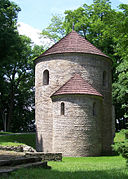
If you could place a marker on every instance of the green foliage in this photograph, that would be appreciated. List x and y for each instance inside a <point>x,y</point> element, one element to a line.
<point>107,29</point>
<point>36,51</point>
<point>74,168</point>
<point>55,31</point>
<point>17,94</point>
<point>17,88</point>
<point>8,32</point>
<point>120,85</point>
<point>119,136</point>
<point>122,147</point>
<point>16,139</point>
<point>94,23</point>
<point>16,72</point>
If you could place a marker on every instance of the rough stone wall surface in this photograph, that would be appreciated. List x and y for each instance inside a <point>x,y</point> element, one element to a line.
<point>45,156</point>
<point>19,148</point>
<point>78,131</point>
<point>61,68</point>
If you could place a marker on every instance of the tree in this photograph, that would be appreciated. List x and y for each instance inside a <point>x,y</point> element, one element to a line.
<point>120,85</point>
<point>8,31</point>
<point>107,29</point>
<point>94,23</point>
<point>55,31</point>
<point>16,71</point>
<point>13,75</point>
<point>8,40</point>
<point>18,96</point>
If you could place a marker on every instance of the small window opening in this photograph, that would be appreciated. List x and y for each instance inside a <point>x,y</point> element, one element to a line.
<point>46,77</point>
<point>62,108</point>
<point>94,109</point>
<point>104,78</point>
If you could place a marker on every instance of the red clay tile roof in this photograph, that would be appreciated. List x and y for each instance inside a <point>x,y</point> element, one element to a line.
<point>73,42</point>
<point>76,85</point>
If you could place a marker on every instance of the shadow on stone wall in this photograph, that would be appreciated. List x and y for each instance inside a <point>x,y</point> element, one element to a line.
<point>39,144</point>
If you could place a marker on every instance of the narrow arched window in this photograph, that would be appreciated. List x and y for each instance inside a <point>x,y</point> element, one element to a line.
<point>46,77</point>
<point>104,78</point>
<point>94,109</point>
<point>62,109</point>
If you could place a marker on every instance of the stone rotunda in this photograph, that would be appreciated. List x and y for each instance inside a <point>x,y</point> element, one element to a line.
<point>73,99</point>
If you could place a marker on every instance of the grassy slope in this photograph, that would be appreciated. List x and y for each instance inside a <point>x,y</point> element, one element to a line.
<point>28,139</point>
<point>4,133</point>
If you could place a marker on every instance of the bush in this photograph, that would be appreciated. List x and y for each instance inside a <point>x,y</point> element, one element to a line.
<point>126,134</point>
<point>122,147</point>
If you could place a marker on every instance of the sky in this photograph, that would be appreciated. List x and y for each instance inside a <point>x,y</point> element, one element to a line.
<point>36,15</point>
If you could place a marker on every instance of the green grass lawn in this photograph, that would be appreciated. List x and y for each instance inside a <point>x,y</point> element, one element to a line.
<point>10,143</point>
<point>28,139</point>
<point>109,167</point>
<point>78,168</point>
<point>5,133</point>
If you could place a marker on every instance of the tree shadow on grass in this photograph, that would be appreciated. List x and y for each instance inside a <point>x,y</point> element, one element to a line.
<point>40,173</point>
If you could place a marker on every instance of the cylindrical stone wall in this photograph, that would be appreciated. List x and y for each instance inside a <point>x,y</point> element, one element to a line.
<point>78,131</point>
<point>61,68</point>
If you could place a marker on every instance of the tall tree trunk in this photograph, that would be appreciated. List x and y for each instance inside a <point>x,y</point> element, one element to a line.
<point>10,110</point>
<point>11,100</point>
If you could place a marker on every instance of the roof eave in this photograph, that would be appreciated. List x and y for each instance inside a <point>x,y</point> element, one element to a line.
<point>55,95</point>
<point>55,53</point>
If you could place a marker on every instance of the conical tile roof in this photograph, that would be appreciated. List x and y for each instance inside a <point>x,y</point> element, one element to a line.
<point>73,42</point>
<point>76,85</point>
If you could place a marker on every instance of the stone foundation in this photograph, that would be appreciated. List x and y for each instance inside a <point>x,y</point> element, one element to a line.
<point>45,156</point>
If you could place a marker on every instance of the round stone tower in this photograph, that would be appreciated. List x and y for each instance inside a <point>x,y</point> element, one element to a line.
<point>73,99</point>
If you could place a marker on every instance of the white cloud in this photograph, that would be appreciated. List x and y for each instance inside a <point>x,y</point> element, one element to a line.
<point>34,34</point>
<point>124,1</point>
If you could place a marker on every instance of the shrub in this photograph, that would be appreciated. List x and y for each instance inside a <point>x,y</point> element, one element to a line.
<point>126,134</point>
<point>122,147</point>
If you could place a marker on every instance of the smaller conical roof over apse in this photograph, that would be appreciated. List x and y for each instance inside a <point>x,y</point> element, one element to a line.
<point>77,85</point>
<point>72,43</point>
